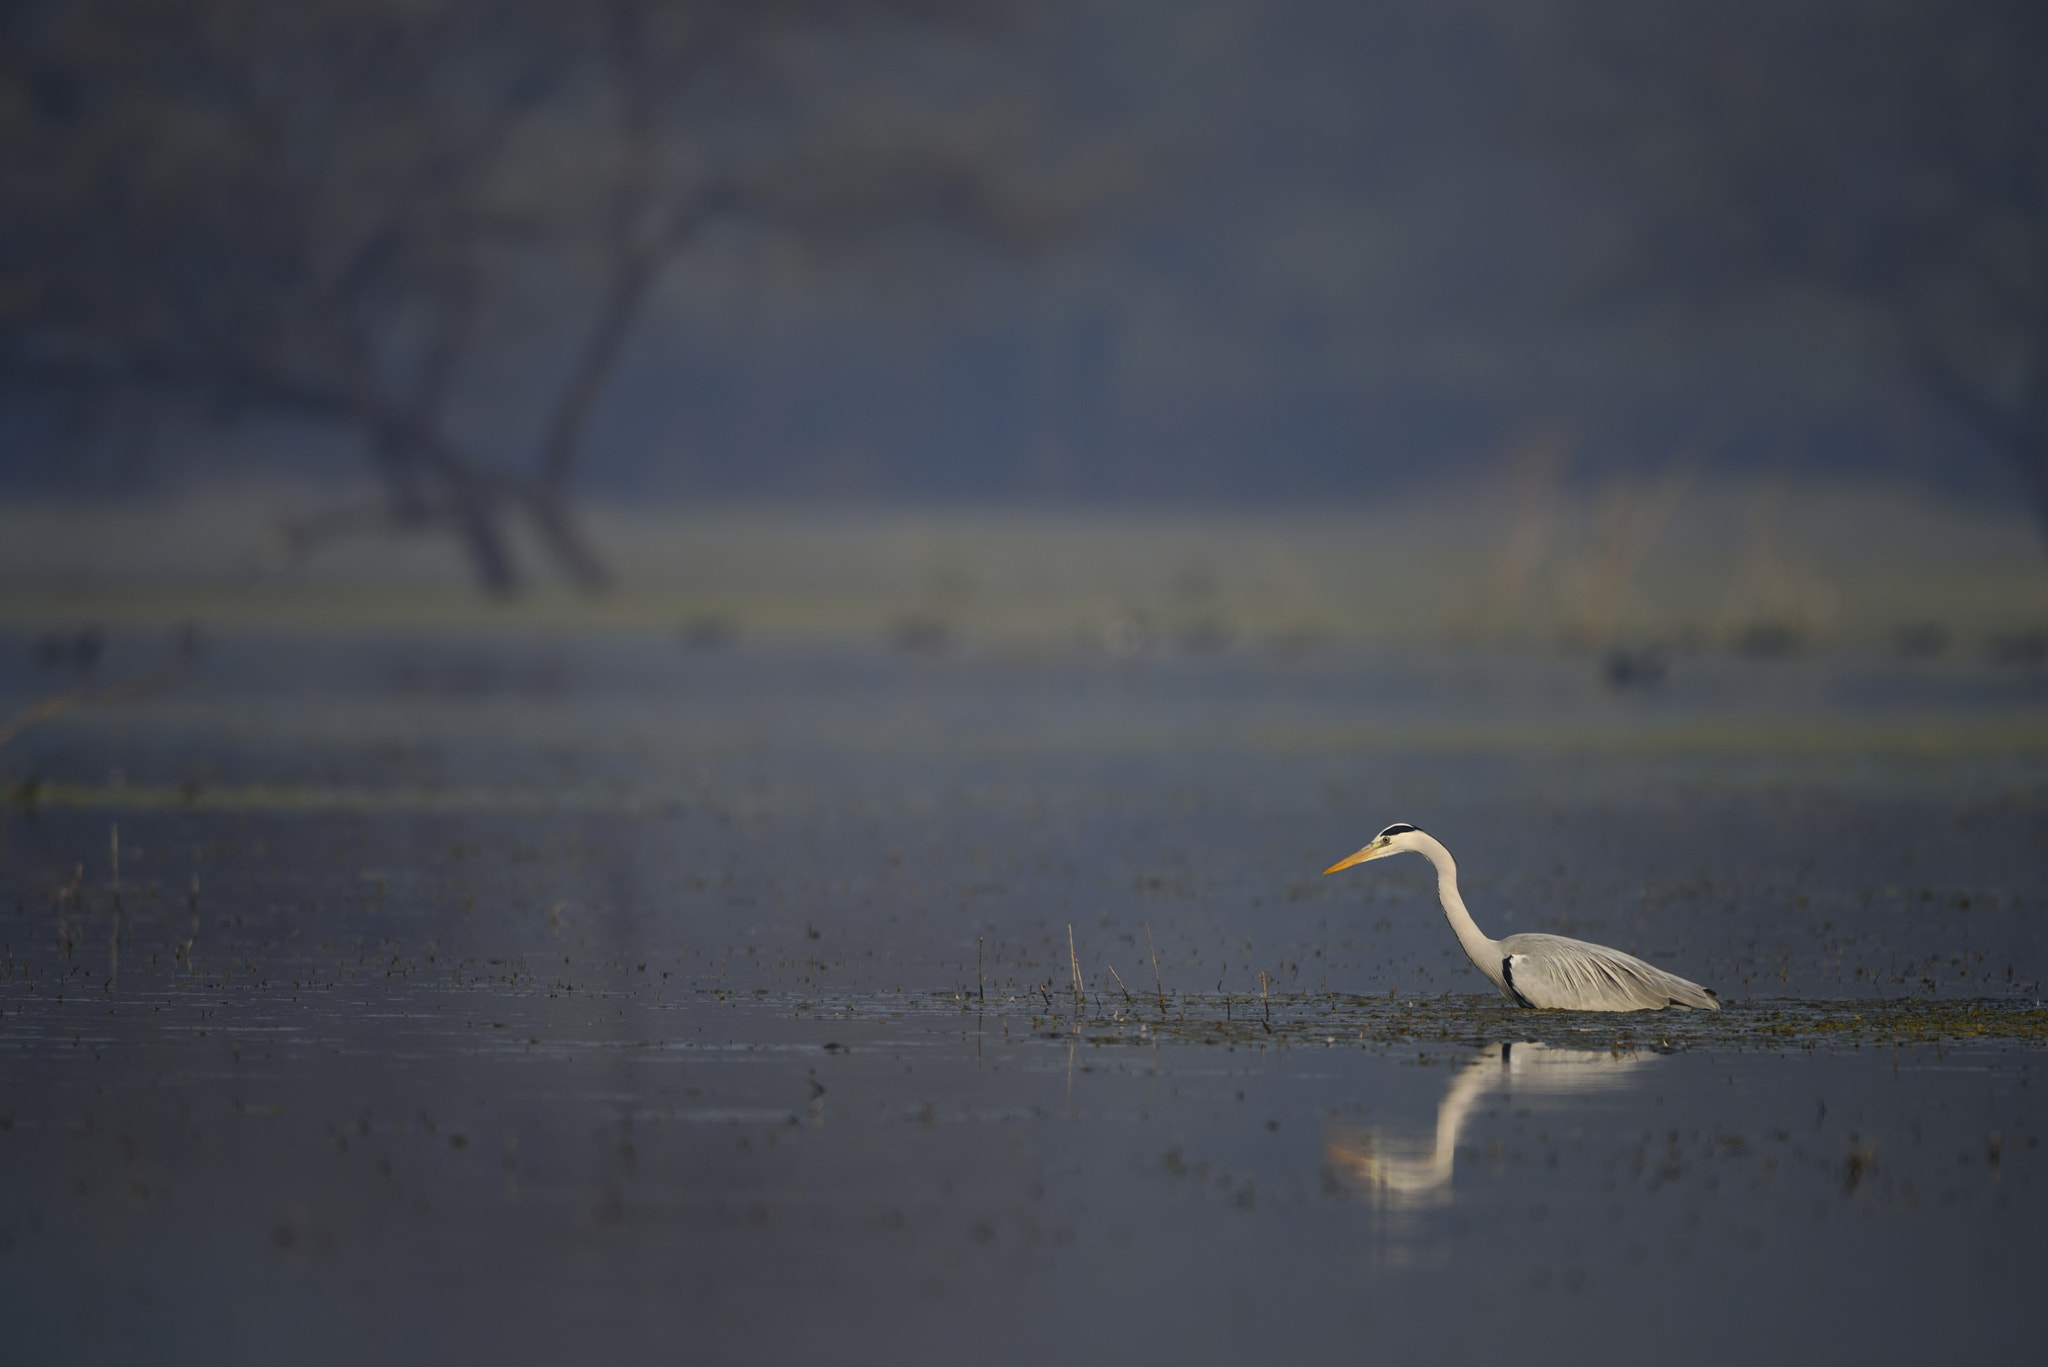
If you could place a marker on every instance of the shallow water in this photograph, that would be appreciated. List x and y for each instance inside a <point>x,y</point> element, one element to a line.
<point>539,996</point>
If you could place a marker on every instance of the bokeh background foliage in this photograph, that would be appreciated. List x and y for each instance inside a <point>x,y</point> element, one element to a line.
<point>453,268</point>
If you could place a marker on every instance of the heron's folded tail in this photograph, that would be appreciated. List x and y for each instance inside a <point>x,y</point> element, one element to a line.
<point>1697,998</point>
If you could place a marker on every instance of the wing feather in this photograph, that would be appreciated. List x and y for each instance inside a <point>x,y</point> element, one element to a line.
<point>1557,973</point>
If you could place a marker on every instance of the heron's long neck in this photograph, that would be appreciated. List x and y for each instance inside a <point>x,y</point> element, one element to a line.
<point>1482,951</point>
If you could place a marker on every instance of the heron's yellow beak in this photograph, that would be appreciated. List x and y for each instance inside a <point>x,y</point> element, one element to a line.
<point>1372,851</point>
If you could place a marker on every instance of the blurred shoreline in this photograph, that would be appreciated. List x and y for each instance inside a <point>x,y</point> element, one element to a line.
<point>1761,568</point>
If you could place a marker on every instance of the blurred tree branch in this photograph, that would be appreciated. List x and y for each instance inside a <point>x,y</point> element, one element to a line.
<point>328,211</point>
<point>183,646</point>
<point>1888,154</point>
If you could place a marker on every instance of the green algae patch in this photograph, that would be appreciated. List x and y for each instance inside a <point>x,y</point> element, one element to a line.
<point>1919,1021</point>
<point>1390,1023</point>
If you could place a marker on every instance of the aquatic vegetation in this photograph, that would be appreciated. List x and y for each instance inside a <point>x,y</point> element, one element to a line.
<point>1382,1023</point>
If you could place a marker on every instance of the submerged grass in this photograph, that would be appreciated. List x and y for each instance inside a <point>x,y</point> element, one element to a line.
<point>1379,1022</point>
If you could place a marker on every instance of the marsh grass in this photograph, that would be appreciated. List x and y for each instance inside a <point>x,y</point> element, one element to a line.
<point>1384,1023</point>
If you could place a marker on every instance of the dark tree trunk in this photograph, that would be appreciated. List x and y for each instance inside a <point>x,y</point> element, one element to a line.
<point>477,523</point>
<point>429,482</point>
<point>550,515</point>
<point>2033,460</point>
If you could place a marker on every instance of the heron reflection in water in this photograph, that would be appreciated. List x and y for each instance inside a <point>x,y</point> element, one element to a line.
<point>1409,1170</point>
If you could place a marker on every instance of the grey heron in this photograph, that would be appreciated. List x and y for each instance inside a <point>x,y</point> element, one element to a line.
<point>1546,971</point>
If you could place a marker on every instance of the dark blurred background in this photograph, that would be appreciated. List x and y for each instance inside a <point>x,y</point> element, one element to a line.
<point>574,574</point>
<point>471,265</point>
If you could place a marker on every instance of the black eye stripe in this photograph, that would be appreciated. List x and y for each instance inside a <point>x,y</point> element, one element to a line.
<point>1398,828</point>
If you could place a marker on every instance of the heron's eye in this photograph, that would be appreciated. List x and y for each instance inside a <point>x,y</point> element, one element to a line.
<point>1396,829</point>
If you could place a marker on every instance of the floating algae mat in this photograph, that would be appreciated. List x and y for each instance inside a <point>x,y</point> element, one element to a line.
<point>528,999</point>
<point>1376,1022</point>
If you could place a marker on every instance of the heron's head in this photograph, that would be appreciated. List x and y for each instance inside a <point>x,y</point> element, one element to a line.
<point>1394,839</point>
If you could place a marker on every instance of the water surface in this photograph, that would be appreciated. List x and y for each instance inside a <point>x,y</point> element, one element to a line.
<point>548,995</point>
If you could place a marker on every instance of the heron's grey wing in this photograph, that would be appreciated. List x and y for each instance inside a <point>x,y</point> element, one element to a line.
<point>1560,974</point>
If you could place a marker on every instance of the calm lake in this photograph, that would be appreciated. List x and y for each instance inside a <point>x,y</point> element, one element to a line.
<point>529,995</point>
